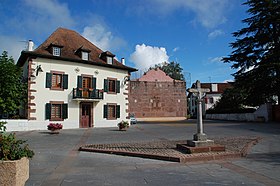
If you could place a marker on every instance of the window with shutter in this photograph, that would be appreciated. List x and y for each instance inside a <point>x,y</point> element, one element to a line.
<point>48,111</point>
<point>118,87</point>
<point>118,111</point>
<point>56,111</point>
<point>56,80</point>
<point>65,81</point>
<point>105,111</point>
<point>64,111</point>
<point>105,85</point>
<point>111,85</point>
<point>111,111</point>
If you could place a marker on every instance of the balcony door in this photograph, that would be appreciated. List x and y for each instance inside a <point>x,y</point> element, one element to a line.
<point>85,86</point>
<point>86,115</point>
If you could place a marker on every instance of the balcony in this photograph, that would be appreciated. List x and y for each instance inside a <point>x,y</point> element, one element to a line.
<point>87,94</point>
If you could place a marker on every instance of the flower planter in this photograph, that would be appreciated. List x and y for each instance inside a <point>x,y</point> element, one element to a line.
<point>54,131</point>
<point>123,128</point>
<point>14,172</point>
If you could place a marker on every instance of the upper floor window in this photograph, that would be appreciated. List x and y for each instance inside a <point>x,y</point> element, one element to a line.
<point>56,51</point>
<point>111,85</point>
<point>85,55</point>
<point>56,80</point>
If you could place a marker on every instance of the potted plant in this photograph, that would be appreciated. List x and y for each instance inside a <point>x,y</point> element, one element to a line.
<point>14,162</point>
<point>123,125</point>
<point>55,127</point>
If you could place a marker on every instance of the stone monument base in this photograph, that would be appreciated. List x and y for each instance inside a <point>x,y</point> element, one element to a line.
<point>185,148</point>
<point>200,144</point>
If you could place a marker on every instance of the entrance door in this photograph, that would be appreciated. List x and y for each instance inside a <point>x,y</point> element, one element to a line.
<point>86,115</point>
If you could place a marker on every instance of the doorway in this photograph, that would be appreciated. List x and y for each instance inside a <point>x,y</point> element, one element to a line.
<point>86,115</point>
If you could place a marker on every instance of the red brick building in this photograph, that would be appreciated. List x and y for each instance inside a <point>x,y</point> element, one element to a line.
<point>156,94</point>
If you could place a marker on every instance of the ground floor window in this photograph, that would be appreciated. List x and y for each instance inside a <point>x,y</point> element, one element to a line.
<point>111,111</point>
<point>56,111</point>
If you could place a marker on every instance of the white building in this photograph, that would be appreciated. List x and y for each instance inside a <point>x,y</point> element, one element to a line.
<point>73,82</point>
<point>216,90</point>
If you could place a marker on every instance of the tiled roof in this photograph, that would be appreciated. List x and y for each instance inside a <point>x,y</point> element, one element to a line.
<point>221,87</point>
<point>155,75</point>
<point>71,42</point>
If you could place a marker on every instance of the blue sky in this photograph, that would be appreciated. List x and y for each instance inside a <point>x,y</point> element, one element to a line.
<point>194,33</point>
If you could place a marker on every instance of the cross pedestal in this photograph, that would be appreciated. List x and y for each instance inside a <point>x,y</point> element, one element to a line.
<point>200,138</point>
<point>200,143</point>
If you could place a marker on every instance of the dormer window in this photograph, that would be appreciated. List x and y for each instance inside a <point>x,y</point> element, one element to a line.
<point>56,51</point>
<point>108,57</point>
<point>109,60</point>
<point>84,55</point>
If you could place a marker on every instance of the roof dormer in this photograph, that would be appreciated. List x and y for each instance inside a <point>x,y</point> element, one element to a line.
<point>55,49</point>
<point>83,53</point>
<point>108,57</point>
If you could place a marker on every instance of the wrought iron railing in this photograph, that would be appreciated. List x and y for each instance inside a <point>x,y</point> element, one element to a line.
<point>87,93</point>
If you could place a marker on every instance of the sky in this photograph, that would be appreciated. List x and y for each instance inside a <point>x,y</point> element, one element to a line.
<point>194,33</point>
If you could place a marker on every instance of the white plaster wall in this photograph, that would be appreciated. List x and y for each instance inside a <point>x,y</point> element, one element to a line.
<point>262,114</point>
<point>45,95</point>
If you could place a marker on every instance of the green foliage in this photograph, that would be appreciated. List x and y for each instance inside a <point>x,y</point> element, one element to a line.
<point>231,102</point>
<point>11,148</point>
<point>172,69</point>
<point>123,124</point>
<point>256,53</point>
<point>12,90</point>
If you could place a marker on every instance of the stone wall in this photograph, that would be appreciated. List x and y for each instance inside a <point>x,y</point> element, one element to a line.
<point>157,99</point>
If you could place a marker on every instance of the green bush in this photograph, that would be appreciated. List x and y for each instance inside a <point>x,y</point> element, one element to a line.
<point>11,148</point>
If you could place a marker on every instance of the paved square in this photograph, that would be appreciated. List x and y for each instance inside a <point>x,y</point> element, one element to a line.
<point>58,162</point>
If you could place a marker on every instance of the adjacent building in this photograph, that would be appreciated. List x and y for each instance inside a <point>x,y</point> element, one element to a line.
<point>156,94</point>
<point>216,90</point>
<point>73,82</point>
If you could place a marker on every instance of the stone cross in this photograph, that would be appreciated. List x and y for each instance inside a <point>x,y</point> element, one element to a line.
<point>199,93</point>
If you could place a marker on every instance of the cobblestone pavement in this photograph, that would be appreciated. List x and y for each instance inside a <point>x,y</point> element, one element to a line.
<point>166,150</point>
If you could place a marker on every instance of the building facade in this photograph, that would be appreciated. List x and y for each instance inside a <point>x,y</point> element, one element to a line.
<point>73,82</point>
<point>157,95</point>
<point>216,90</point>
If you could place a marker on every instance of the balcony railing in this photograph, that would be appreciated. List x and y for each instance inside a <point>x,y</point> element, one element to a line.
<point>79,93</point>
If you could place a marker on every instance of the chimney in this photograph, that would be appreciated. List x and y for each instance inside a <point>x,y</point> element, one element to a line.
<point>30,45</point>
<point>123,61</point>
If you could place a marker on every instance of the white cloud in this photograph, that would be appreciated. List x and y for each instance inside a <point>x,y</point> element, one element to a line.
<point>102,38</point>
<point>215,59</point>
<point>215,34</point>
<point>46,15</point>
<point>176,49</point>
<point>146,56</point>
<point>209,13</point>
<point>33,19</point>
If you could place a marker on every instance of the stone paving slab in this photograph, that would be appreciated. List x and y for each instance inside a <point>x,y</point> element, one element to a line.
<point>166,150</point>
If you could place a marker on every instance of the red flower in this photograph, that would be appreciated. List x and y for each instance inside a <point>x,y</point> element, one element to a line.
<point>55,126</point>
